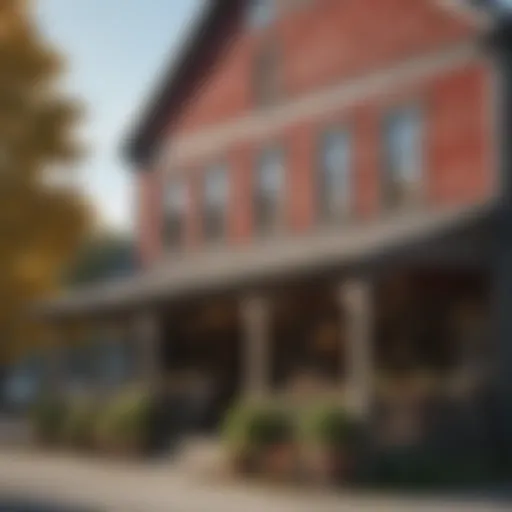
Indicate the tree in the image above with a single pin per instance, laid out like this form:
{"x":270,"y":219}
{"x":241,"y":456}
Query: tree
{"x":42,"y":216}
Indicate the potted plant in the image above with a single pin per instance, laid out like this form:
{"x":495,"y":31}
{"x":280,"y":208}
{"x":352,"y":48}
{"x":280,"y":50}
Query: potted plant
{"x":236,"y":438}
{"x":260,"y":439}
{"x":272,"y":434}
{"x":331,"y":438}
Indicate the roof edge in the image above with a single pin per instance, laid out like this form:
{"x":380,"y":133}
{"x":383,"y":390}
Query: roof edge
{"x":136,"y":143}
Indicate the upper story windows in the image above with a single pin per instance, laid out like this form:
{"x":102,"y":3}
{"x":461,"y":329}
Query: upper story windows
{"x":175,"y":210}
{"x":269,"y":191}
{"x":334,"y":180}
{"x":332,"y":166}
{"x":402,"y":177}
{"x":215,"y":202}
{"x":261,"y":13}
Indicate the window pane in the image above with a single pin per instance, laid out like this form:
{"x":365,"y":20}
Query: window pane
{"x":269,"y":187}
{"x":215,"y":202}
{"x":335,"y":179}
{"x":403,"y":157}
{"x":174,"y":212}
{"x":216,"y":187}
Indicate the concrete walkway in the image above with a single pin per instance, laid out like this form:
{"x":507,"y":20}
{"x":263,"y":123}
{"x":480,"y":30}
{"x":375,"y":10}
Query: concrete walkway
{"x":98,"y":485}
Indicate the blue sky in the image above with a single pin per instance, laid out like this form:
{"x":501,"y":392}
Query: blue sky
{"x":116,"y":49}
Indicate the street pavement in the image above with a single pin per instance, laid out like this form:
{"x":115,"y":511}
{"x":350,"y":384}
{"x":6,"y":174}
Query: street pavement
{"x":41,"y":482}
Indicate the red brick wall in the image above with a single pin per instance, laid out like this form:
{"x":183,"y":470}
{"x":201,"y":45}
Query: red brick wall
{"x":460,"y":148}
{"x":322,"y":44}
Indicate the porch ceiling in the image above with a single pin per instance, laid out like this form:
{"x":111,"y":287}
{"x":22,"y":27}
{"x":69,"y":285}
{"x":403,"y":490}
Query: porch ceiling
{"x":346,"y":248}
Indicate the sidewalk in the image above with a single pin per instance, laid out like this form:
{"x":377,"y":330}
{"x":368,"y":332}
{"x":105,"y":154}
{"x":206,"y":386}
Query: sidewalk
{"x":110,"y":486}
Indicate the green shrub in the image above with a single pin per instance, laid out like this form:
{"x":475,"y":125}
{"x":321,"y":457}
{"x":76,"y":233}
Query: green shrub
{"x":104,"y":428}
{"x":251,"y":428}
{"x":47,"y":418}
{"x":125,"y":424}
{"x":79,"y":423}
{"x":329,"y":426}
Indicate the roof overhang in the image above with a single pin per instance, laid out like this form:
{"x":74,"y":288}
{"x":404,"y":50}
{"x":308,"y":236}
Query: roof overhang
{"x":139,"y":141}
{"x":345,"y":249}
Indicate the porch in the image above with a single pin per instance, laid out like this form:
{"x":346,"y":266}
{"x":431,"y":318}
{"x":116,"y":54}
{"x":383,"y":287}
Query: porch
{"x":392,"y":321}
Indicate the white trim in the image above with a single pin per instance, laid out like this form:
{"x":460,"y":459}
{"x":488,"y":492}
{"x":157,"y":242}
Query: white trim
{"x":211,"y":141}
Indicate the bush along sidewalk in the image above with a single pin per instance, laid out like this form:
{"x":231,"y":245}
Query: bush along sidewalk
{"x":319,"y":444}
{"x":259,"y":439}
{"x":331,"y":443}
{"x":324,"y":444}
{"x":47,"y":418}
{"x":124,"y":425}
{"x":78,"y":424}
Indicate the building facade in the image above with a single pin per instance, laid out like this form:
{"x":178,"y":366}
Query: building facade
{"x":321,"y":187}
{"x":314,"y":89}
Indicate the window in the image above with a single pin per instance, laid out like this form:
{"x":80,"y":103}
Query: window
{"x":215,"y":202}
{"x":403,"y":158}
{"x":334,"y":184}
{"x":269,"y":190}
{"x":261,"y":13}
{"x":175,"y":206}
{"x":267,"y":87}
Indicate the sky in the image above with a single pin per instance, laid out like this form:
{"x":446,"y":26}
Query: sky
{"x":116,"y":50}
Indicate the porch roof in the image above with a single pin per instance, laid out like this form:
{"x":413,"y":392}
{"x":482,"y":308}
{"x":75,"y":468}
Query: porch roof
{"x":277,"y":258}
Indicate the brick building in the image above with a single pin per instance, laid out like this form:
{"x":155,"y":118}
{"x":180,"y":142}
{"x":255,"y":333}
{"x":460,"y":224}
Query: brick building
{"x":321,"y":192}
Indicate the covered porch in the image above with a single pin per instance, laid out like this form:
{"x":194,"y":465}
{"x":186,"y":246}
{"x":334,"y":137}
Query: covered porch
{"x":382,"y":319}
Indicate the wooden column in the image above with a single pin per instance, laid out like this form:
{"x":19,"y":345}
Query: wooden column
{"x":356,"y":301}
{"x":255,"y":313}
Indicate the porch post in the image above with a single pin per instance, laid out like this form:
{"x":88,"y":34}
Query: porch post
{"x":255,"y":313}
{"x":356,"y":302}
{"x":147,"y":342}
